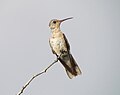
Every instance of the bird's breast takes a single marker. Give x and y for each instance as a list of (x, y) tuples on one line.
[(58, 44)]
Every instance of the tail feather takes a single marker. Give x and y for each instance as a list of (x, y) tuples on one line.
[(70, 65), (76, 67), (70, 75)]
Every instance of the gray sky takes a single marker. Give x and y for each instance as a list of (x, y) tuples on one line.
[(94, 36)]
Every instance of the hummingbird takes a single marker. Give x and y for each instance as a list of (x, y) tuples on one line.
[(61, 48)]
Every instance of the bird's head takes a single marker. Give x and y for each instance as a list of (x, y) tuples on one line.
[(55, 24)]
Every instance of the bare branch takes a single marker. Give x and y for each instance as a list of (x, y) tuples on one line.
[(31, 79)]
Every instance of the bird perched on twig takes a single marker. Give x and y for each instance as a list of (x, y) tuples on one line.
[(61, 48)]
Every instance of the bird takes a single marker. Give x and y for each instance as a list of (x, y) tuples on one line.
[(61, 48)]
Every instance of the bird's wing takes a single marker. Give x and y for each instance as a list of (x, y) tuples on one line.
[(66, 42), (51, 47)]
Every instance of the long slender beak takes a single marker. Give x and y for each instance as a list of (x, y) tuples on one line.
[(66, 19)]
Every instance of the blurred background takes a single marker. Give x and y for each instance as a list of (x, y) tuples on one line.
[(94, 36)]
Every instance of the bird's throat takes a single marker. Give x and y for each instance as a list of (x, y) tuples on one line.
[(55, 30)]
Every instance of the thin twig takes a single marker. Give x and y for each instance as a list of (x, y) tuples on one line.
[(31, 79)]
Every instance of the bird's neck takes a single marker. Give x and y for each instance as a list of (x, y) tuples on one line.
[(55, 30)]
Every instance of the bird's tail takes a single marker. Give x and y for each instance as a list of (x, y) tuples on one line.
[(70, 65)]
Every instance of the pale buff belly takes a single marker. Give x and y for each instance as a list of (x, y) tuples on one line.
[(58, 44)]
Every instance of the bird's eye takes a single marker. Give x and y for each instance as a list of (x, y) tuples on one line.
[(54, 22)]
